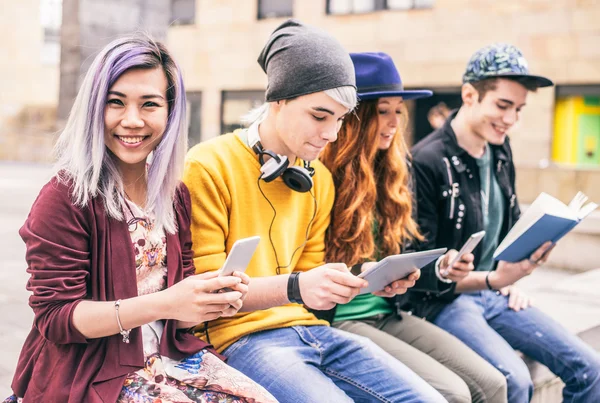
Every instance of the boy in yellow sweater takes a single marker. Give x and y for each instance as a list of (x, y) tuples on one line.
[(242, 185)]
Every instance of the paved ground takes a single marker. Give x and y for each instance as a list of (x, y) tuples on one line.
[(19, 185), (572, 299)]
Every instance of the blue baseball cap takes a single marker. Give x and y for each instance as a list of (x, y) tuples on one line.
[(377, 77), (500, 60)]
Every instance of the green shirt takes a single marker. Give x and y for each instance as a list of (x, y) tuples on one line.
[(491, 196), (362, 307), (366, 305)]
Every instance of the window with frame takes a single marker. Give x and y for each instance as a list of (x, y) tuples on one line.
[(408, 4), (194, 113), (343, 7), (429, 114), (235, 104), (275, 8), (183, 12), (51, 21)]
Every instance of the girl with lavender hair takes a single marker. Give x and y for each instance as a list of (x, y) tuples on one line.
[(108, 249)]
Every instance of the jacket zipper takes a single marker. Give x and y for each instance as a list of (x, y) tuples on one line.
[(453, 190), (513, 200)]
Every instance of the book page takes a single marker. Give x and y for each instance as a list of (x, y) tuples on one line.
[(553, 206), (587, 210)]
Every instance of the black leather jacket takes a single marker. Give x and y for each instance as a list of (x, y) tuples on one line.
[(449, 205)]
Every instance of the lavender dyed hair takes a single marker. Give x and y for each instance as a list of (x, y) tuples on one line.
[(83, 158)]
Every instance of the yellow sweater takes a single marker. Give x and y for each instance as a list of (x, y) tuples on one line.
[(222, 176)]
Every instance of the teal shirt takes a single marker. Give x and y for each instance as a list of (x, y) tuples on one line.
[(493, 217), (366, 305)]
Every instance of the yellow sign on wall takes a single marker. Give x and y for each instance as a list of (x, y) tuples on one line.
[(577, 131)]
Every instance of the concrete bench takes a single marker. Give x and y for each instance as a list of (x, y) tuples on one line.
[(547, 386)]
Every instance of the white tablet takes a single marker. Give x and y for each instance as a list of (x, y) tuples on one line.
[(397, 267)]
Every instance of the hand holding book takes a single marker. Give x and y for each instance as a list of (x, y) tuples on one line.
[(547, 219), (508, 273)]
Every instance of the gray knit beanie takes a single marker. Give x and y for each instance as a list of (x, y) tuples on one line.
[(301, 59)]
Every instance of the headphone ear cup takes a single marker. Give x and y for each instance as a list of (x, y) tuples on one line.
[(298, 179), (274, 167)]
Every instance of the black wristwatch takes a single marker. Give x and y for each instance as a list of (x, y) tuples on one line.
[(293, 288)]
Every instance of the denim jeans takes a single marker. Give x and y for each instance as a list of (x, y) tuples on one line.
[(484, 322), (323, 364)]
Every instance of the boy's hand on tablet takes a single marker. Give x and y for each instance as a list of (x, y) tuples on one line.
[(325, 286)]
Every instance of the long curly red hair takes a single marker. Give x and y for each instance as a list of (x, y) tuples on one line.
[(370, 184)]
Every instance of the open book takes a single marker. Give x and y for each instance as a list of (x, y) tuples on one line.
[(547, 219)]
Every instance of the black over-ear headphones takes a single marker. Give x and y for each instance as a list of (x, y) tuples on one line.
[(295, 177)]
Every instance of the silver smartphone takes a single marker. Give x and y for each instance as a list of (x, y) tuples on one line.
[(239, 256), (469, 246)]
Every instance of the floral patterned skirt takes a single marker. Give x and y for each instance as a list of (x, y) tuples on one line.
[(199, 378)]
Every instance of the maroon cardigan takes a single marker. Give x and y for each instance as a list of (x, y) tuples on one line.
[(74, 254)]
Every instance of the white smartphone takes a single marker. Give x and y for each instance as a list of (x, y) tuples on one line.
[(469, 246), (239, 256)]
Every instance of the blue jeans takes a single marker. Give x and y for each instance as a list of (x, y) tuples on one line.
[(484, 322), (323, 364)]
